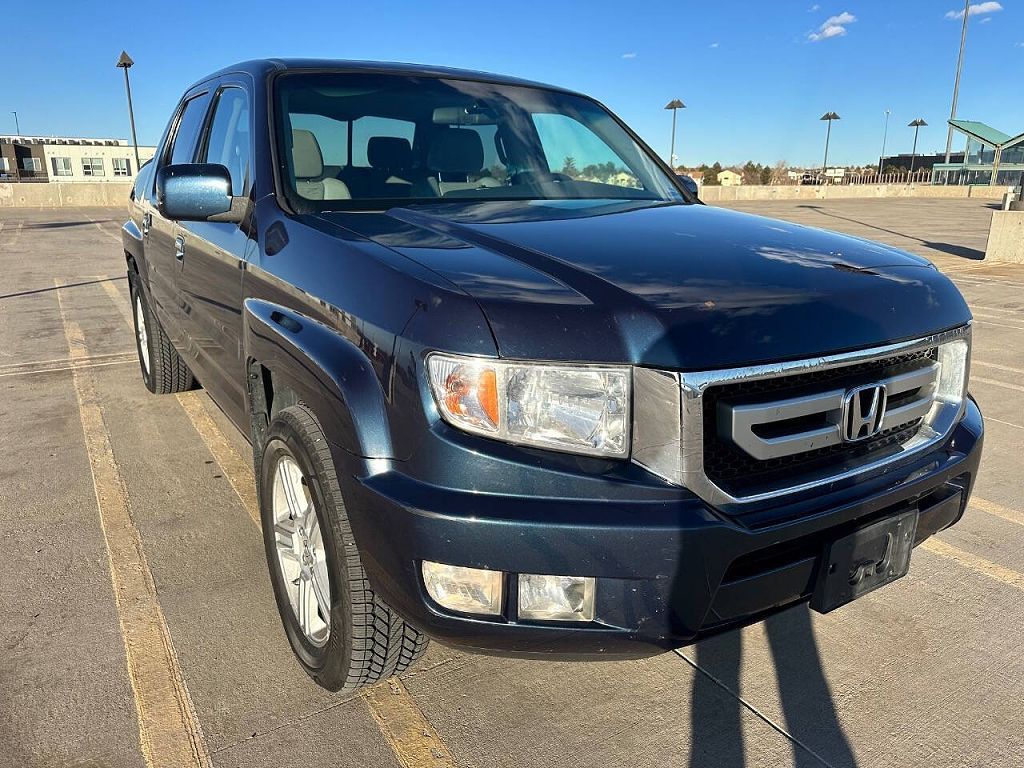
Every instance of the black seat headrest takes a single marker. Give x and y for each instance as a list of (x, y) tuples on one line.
[(389, 152), (456, 150)]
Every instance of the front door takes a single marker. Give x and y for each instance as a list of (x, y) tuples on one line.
[(162, 244), (213, 258)]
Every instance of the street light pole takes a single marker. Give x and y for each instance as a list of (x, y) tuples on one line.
[(17, 128), (885, 135), (125, 62), (956, 83), (916, 125), (674, 105), (828, 116)]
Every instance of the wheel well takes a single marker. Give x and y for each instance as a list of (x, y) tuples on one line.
[(266, 399)]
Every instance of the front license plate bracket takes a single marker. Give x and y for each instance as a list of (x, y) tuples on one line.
[(864, 560)]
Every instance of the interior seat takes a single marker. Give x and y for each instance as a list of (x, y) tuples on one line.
[(308, 161), (391, 160), (455, 155)]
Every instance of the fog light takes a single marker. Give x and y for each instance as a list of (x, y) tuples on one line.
[(556, 598), (469, 590)]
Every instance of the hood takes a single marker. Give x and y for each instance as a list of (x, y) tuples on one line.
[(668, 285)]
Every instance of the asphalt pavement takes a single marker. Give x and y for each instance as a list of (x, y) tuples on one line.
[(138, 627)]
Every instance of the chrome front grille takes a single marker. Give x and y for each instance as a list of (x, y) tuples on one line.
[(776, 427), (759, 433)]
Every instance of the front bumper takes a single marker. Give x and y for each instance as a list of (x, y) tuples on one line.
[(669, 569)]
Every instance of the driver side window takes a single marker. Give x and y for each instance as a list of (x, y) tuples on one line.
[(573, 150), (228, 141)]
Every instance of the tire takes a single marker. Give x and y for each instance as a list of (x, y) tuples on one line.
[(365, 641), (163, 370)]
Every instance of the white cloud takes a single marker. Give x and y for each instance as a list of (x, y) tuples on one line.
[(977, 9), (630, 55), (833, 26), (814, 8), (713, 45)]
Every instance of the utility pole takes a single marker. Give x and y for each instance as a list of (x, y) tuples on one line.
[(916, 125), (885, 135), (829, 116), (956, 83), (17, 128), (125, 62), (674, 105)]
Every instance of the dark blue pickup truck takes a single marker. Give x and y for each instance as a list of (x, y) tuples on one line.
[(509, 385)]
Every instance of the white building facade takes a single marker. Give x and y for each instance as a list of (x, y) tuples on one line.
[(68, 159)]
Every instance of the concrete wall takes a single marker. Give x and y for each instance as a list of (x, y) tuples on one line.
[(111, 193), (56, 194), (843, 191), (1006, 237)]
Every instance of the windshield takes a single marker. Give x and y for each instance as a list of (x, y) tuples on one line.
[(366, 141)]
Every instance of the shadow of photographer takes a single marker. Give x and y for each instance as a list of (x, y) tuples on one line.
[(809, 713)]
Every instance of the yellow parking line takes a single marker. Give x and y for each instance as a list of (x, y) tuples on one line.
[(237, 470), (169, 733), (998, 510), (414, 741), (402, 723), (120, 301), (975, 563)]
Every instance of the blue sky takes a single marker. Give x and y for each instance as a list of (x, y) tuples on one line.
[(755, 76)]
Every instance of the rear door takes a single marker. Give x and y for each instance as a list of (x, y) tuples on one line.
[(162, 253), (213, 256)]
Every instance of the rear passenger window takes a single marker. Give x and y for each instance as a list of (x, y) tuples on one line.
[(228, 142), (189, 124), (366, 128)]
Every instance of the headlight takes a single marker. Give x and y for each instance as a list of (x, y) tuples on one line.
[(574, 408)]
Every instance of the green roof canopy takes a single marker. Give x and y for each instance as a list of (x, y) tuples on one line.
[(986, 134)]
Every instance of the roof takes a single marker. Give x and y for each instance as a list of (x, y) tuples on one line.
[(259, 68), (986, 133)]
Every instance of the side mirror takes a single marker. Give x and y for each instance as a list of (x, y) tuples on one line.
[(197, 192), (688, 184)]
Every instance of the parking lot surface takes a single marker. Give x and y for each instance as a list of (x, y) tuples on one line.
[(138, 625)]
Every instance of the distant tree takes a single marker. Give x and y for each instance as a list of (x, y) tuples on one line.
[(751, 173), (766, 174), (894, 169), (569, 167), (780, 173), (711, 174)]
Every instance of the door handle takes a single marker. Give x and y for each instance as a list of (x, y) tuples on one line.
[(179, 248)]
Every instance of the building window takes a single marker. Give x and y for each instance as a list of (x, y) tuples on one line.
[(121, 166), (92, 166), (33, 164), (5, 165), (61, 166)]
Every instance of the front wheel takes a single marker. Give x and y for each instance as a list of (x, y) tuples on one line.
[(344, 636), (163, 370)]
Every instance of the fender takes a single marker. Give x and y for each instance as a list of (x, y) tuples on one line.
[(326, 371), (131, 239)]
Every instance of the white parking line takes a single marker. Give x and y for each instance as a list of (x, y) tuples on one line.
[(995, 383)]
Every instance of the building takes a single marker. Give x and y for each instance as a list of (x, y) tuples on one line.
[(990, 157), (66, 159), (729, 178), (921, 162)]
